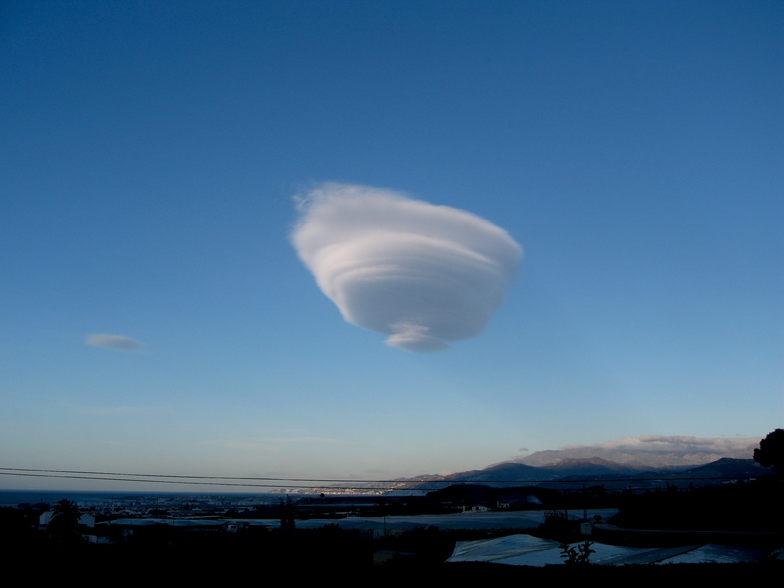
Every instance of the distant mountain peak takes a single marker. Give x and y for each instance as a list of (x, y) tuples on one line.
[(591, 465)]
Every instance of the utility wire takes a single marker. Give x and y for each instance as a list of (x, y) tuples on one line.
[(182, 479), (154, 481), (269, 479)]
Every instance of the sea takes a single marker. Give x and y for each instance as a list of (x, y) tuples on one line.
[(14, 498)]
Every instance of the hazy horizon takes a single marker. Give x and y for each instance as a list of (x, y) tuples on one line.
[(645, 451)]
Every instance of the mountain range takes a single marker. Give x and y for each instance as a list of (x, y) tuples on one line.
[(647, 460), (577, 473)]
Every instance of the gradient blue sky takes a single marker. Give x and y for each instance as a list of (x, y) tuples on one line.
[(149, 155)]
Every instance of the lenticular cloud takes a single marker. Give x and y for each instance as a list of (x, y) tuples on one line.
[(423, 275)]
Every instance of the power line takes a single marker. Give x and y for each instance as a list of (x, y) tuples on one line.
[(269, 479), (195, 480), (157, 481)]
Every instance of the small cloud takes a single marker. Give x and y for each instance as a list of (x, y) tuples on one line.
[(114, 342), (423, 275)]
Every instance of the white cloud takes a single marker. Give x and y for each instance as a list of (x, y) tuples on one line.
[(652, 450), (423, 275), (679, 444), (115, 342)]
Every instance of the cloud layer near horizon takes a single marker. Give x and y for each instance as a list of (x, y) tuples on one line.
[(423, 275), (114, 342), (652, 450)]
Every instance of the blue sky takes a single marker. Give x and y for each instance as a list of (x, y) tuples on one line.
[(150, 152)]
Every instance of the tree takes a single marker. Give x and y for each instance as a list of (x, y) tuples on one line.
[(64, 525), (771, 451), (577, 556)]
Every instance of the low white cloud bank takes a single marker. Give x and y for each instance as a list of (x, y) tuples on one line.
[(114, 342), (652, 450), (423, 275)]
